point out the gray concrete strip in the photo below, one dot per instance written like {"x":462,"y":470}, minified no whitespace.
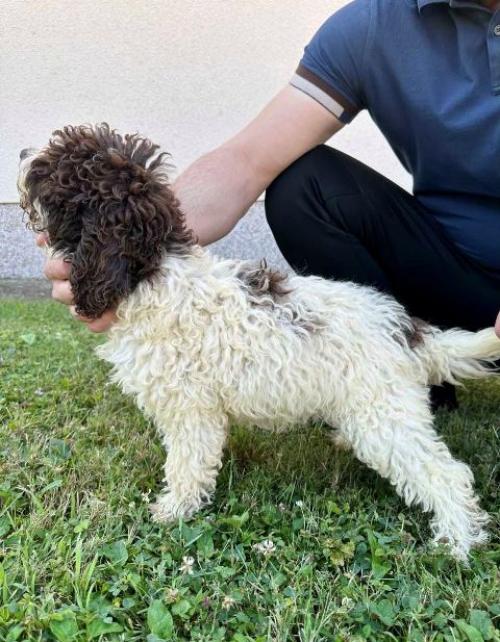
{"x":24,"y":289}
{"x":252,"y":239}
{"x":19,"y":256}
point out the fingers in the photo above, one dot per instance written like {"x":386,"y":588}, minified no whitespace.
{"x":42,"y":239}
{"x":61,"y":291}
{"x":102,"y":324}
{"x":57,"y":269}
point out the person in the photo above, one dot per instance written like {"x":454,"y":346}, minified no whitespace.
{"x":428,"y":72}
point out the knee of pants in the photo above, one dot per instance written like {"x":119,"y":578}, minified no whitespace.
{"x":297,"y":192}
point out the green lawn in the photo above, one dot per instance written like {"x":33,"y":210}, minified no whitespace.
{"x":81,"y":560}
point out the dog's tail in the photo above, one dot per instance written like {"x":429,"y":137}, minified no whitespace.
{"x":452,"y":355}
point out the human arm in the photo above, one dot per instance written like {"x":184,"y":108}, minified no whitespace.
{"x":217,"y":189}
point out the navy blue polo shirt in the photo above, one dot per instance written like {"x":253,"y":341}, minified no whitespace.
{"x":428,"y":71}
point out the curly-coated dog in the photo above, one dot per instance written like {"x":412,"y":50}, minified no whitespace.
{"x":202,"y":342}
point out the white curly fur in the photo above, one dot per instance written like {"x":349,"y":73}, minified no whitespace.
{"x":200,"y":349}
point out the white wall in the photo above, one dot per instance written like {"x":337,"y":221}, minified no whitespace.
{"x":187,"y":73}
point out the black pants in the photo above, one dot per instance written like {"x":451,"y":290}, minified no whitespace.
{"x":334,"y":217}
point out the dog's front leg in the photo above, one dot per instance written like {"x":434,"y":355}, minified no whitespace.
{"x":195,"y":445}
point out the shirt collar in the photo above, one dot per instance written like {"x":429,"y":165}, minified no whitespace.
{"x":454,"y":4}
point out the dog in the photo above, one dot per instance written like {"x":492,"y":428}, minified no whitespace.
{"x":203,"y":342}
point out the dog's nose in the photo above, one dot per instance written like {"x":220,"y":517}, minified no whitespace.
{"x":23,"y":153}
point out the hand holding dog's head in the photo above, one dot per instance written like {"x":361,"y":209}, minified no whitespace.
{"x":105,"y":202}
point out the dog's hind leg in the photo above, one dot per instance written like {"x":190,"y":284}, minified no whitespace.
{"x":195,"y":444}
{"x":394,"y":435}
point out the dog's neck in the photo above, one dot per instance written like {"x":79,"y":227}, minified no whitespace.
{"x":182,"y":281}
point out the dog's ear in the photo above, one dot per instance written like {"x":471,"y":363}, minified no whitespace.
{"x":122,"y":242}
{"x":100,"y":273}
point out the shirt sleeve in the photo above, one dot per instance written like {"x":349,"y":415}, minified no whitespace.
{"x":331,"y":69}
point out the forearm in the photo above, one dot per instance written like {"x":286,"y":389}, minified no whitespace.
{"x":217,"y":190}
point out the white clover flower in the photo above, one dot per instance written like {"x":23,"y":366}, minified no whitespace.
{"x":282,"y":507}
{"x":266,"y":547}
{"x":171,"y":595}
{"x":228,"y":602}
{"x":145,"y":496}
{"x":347,"y":603}
{"x":187,"y":565}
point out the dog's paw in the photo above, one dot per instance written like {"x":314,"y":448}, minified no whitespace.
{"x":169,"y":508}
{"x":460,"y":544}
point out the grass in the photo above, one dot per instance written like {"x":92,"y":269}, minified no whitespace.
{"x":81,"y":560}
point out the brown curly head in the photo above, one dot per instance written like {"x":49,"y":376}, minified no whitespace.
{"x":105,"y":202}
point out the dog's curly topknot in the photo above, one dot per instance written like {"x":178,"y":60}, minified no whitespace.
{"x":105,"y":203}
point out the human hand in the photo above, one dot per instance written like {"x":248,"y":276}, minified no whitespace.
{"x":58,"y":271}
